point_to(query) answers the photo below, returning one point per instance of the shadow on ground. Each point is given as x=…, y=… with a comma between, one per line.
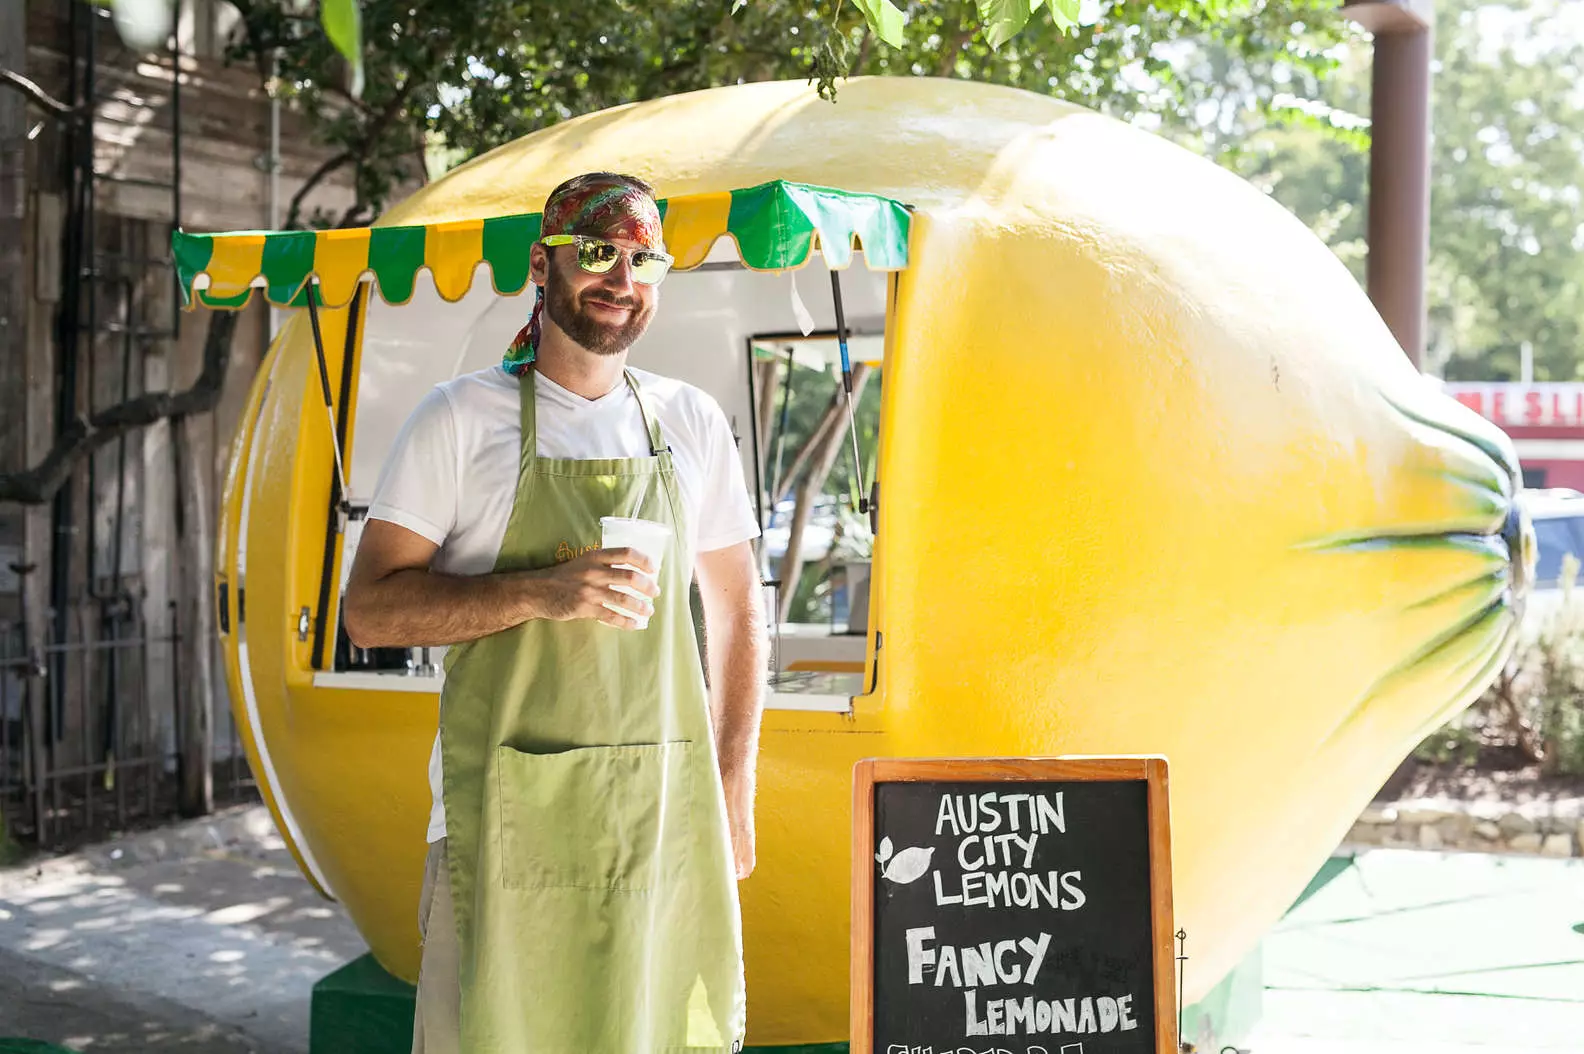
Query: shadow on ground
x=199, y=939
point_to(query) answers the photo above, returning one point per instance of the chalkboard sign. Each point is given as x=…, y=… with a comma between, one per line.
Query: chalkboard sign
x=1012, y=906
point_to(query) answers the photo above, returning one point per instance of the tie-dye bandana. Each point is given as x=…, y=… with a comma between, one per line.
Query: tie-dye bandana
x=605, y=209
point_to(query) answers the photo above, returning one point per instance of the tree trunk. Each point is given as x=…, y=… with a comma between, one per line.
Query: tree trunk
x=192, y=583
x=857, y=67
x=767, y=390
x=36, y=485
x=13, y=262
x=951, y=48
x=833, y=420
x=196, y=617
x=822, y=450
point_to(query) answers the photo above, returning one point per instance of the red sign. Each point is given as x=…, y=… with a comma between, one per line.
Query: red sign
x=1523, y=405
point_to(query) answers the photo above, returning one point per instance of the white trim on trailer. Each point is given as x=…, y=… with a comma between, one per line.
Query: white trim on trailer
x=245, y=668
x=817, y=700
x=375, y=681
x=823, y=704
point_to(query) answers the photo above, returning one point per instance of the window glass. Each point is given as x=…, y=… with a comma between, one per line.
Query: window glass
x=816, y=543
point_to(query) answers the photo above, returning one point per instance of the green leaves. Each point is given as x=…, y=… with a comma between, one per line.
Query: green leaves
x=343, y=24
x=1065, y=12
x=1003, y=19
x=1000, y=20
x=884, y=18
x=1506, y=263
x=458, y=79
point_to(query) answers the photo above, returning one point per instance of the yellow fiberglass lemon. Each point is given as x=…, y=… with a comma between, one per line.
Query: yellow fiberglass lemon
x=1155, y=479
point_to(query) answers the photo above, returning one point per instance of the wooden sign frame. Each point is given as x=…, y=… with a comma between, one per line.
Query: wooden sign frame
x=1152, y=770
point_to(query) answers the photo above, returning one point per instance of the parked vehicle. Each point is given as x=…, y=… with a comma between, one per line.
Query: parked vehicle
x=1558, y=517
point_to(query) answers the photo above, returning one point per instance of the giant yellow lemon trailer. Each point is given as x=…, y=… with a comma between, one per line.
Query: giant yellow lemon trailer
x=1154, y=478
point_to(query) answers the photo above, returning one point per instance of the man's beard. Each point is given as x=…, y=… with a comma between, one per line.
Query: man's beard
x=602, y=338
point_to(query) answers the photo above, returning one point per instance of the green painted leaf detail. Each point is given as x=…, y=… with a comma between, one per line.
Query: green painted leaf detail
x=885, y=18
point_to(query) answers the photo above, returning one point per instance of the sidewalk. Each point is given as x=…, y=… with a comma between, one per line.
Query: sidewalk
x=200, y=938
x=1410, y=952
x=204, y=939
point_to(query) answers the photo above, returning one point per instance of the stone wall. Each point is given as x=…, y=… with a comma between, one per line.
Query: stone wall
x=1547, y=827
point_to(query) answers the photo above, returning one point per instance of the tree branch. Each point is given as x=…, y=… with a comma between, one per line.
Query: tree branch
x=765, y=371
x=356, y=215
x=833, y=418
x=423, y=164
x=331, y=164
x=822, y=460
x=949, y=54
x=35, y=94
x=856, y=68
x=346, y=96
x=371, y=133
x=37, y=485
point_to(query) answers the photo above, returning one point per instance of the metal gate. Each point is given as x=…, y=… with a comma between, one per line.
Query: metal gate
x=88, y=741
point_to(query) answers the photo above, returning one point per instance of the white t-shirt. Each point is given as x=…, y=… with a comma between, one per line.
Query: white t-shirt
x=451, y=475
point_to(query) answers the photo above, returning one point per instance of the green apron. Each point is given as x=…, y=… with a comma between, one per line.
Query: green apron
x=589, y=855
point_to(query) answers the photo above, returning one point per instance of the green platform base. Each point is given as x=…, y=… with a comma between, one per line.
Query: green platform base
x=361, y=1009
x=30, y=1046
x=1231, y=1010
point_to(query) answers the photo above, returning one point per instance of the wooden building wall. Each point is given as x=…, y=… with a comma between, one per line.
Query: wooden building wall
x=167, y=477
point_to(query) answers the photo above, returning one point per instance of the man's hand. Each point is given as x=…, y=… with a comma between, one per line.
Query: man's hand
x=740, y=820
x=393, y=599
x=581, y=587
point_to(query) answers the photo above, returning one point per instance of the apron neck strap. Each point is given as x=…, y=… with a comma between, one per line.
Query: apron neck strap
x=528, y=411
x=657, y=443
x=530, y=417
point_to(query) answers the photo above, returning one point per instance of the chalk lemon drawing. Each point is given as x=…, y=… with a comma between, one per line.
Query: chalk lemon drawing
x=907, y=866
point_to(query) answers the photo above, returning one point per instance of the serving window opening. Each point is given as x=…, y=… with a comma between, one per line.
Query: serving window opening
x=815, y=475
x=764, y=345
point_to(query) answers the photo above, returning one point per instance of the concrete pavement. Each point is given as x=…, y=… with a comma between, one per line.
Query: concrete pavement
x=1412, y=952
x=200, y=938
x=204, y=939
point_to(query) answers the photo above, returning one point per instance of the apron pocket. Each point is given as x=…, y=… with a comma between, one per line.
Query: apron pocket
x=596, y=818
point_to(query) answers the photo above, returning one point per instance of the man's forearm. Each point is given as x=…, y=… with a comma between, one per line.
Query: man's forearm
x=416, y=608
x=737, y=655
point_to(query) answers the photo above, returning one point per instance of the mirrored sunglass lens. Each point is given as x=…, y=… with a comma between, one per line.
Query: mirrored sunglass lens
x=649, y=268
x=597, y=257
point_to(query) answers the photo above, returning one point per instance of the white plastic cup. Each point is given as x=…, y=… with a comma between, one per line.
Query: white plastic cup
x=648, y=537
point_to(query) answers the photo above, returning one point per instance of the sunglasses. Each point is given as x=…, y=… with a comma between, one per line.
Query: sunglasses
x=598, y=256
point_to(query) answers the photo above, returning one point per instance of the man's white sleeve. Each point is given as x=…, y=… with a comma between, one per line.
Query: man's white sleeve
x=727, y=516
x=417, y=488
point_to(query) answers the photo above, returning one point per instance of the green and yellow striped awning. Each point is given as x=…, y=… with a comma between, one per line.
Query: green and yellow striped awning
x=775, y=225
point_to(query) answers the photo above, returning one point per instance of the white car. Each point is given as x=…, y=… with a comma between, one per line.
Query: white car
x=1558, y=518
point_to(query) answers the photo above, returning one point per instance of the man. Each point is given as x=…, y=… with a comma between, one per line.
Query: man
x=592, y=802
